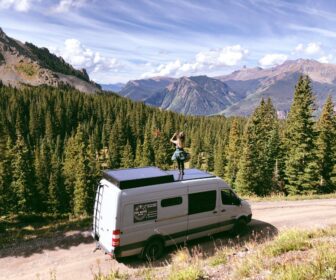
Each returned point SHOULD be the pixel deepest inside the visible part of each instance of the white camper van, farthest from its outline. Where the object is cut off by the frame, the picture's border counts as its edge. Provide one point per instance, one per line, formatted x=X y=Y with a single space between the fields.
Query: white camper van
x=142 y=210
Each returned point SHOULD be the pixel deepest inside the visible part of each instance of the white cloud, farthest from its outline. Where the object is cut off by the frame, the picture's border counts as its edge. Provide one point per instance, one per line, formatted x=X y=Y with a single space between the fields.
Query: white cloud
x=272 y=59
x=310 y=48
x=66 y=5
x=203 y=61
x=79 y=56
x=18 y=5
x=326 y=58
x=227 y=56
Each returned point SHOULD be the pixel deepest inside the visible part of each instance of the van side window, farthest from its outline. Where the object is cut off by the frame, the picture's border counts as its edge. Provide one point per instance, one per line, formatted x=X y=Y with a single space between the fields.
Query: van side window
x=171 y=201
x=202 y=202
x=228 y=197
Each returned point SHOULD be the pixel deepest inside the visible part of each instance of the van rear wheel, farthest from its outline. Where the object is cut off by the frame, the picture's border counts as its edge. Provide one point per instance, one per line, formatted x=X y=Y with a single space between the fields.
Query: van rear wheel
x=153 y=250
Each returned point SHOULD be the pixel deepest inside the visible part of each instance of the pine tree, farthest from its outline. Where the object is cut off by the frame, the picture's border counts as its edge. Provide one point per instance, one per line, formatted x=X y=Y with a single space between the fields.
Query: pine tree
x=163 y=151
x=115 y=145
x=42 y=172
x=260 y=150
x=82 y=176
x=219 y=157
x=248 y=176
x=23 y=176
x=147 y=148
x=127 y=159
x=138 y=154
x=56 y=188
x=196 y=149
x=232 y=155
x=326 y=146
x=300 y=162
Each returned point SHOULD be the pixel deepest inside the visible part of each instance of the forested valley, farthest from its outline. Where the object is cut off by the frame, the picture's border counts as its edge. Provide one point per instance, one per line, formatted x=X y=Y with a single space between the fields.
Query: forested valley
x=55 y=142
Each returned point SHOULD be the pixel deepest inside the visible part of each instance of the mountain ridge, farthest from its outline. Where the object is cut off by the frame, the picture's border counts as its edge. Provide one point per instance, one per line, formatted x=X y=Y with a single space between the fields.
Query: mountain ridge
x=247 y=87
x=26 y=64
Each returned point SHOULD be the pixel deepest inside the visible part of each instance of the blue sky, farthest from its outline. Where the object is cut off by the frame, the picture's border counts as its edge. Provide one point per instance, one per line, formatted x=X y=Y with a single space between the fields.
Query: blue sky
x=117 y=41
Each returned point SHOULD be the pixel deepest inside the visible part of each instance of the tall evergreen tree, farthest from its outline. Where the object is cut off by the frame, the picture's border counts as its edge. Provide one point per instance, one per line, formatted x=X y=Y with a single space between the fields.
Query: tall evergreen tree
x=300 y=162
x=23 y=176
x=219 y=156
x=82 y=176
x=56 y=187
x=138 y=154
x=232 y=155
x=260 y=148
x=326 y=146
x=147 y=148
x=127 y=159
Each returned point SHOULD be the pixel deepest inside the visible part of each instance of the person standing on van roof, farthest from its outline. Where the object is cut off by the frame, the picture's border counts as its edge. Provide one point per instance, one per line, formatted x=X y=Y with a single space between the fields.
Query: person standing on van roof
x=179 y=155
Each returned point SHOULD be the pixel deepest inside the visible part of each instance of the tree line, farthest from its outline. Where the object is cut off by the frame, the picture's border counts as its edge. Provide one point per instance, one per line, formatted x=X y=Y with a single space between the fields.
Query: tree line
x=55 y=142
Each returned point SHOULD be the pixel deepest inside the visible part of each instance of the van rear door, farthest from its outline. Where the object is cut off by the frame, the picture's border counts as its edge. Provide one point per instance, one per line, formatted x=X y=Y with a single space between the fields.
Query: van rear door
x=105 y=214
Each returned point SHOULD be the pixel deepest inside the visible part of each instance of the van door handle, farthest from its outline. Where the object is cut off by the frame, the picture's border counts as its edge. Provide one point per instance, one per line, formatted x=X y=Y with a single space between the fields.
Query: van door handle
x=215 y=212
x=223 y=210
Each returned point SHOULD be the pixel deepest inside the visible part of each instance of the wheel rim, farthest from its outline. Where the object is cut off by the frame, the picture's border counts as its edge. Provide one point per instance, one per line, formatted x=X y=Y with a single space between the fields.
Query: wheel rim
x=153 y=251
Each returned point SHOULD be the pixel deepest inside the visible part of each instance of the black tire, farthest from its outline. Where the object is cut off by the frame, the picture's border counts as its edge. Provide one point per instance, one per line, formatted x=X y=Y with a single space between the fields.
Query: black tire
x=153 y=250
x=240 y=227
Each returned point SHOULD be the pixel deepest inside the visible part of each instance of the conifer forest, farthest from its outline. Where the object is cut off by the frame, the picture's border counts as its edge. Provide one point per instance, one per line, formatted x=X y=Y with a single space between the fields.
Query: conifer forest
x=55 y=142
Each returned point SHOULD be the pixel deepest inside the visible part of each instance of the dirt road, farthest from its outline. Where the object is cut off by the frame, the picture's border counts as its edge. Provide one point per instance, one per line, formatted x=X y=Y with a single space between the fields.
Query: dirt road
x=70 y=255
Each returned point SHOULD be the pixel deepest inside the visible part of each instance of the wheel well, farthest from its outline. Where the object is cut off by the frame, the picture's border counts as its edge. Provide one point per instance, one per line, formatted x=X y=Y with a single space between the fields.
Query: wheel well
x=156 y=237
x=243 y=217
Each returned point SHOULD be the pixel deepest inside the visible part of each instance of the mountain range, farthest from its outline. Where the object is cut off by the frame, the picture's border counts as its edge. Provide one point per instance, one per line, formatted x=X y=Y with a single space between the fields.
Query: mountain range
x=26 y=64
x=237 y=93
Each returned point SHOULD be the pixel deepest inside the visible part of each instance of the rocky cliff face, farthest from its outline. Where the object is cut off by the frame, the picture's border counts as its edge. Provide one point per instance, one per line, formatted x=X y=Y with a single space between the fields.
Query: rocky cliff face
x=279 y=83
x=25 y=64
x=198 y=95
x=140 y=90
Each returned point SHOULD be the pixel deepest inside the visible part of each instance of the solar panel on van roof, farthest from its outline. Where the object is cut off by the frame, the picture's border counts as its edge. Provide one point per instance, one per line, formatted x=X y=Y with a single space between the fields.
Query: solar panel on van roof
x=145 y=176
x=137 y=177
x=190 y=174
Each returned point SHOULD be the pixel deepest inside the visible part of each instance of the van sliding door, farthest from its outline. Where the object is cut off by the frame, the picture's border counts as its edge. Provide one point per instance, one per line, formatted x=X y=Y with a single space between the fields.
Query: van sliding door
x=203 y=216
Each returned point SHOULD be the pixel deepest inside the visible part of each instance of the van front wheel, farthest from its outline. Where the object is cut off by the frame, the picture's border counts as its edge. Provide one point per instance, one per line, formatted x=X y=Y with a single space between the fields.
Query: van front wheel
x=240 y=227
x=153 y=250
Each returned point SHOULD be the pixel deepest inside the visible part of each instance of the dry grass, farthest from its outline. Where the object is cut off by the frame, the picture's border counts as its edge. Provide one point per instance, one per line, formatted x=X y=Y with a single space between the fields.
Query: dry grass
x=27 y=69
x=282 y=197
x=293 y=254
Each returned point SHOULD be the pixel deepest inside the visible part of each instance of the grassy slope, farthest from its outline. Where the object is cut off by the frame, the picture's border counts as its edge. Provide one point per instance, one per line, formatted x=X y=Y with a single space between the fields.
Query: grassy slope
x=281 y=197
x=293 y=254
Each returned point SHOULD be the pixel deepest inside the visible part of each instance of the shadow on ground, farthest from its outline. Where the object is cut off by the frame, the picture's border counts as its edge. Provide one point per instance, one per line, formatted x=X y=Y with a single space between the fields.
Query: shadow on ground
x=258 y=231
x=27 y=234
x=38 y=245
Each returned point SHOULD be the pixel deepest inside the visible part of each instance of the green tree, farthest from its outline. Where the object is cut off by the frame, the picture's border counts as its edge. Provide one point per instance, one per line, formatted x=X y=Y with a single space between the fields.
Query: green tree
x=326 y=146
x=23 y=176
x=147 y=148
x=138 y=153
x=127 y=159
x=232 y=155
x=56 y=187
x=219 y=157
x=300 y=162
x=259 y=153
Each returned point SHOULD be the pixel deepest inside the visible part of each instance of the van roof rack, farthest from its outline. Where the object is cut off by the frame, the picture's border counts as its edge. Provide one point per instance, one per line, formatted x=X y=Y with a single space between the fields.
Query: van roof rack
x=145 y=176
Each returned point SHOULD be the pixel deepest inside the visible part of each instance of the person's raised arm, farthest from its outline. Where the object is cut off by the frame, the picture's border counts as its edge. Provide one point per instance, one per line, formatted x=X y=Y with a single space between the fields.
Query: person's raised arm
x=173 y=138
